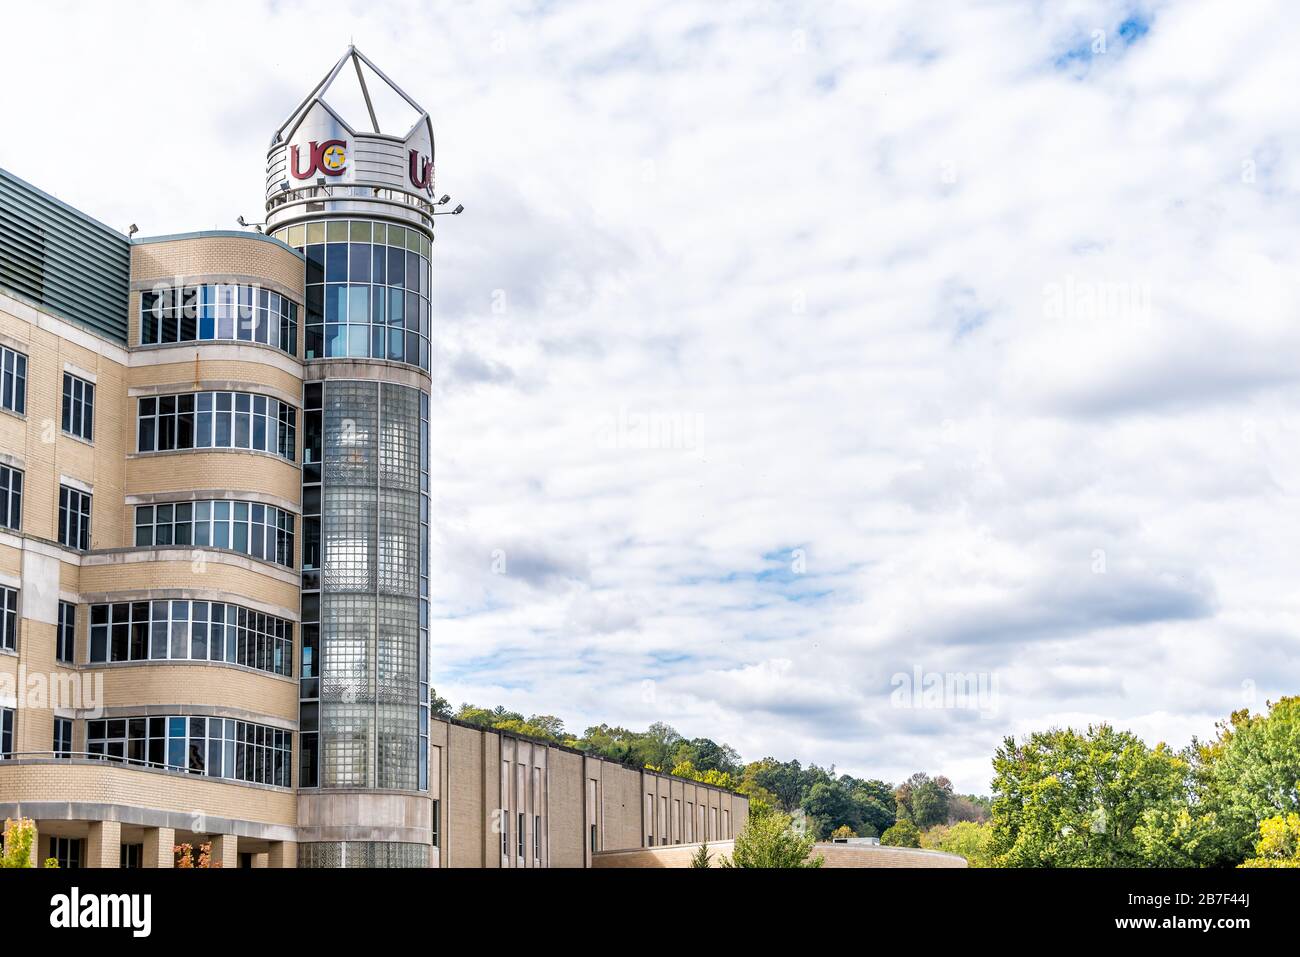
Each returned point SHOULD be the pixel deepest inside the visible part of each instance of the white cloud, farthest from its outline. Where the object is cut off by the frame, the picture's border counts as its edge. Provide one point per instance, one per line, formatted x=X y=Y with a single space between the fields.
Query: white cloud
x=794 y=277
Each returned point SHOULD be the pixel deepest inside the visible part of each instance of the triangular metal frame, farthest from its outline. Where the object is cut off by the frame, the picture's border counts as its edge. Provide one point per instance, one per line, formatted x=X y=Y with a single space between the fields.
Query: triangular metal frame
x=317 y=94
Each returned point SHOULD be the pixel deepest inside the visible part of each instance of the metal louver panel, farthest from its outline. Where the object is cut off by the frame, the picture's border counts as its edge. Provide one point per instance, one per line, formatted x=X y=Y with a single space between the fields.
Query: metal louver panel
x=62 y=260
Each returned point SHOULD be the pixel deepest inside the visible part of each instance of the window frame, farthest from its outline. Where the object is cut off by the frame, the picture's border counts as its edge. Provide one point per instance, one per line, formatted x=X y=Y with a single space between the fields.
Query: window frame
x=68 y=496
x=78 y=409
x=13 y=381
x=65 y=634
x=9 y=619
x=11 y=497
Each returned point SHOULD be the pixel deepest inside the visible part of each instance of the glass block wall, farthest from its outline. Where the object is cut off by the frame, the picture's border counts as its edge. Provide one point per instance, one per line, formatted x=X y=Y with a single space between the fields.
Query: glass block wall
x=365 y=615
x=362 y=854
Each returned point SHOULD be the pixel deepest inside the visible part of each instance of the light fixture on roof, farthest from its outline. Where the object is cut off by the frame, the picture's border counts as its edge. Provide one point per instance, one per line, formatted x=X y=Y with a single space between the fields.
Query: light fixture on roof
x=132 y=230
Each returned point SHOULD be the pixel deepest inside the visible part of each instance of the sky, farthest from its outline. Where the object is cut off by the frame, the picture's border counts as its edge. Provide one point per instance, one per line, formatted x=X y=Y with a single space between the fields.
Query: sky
x=791 y=358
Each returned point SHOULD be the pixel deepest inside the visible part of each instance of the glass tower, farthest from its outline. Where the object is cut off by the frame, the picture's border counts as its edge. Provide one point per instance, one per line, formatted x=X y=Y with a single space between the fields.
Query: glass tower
x=359 y=207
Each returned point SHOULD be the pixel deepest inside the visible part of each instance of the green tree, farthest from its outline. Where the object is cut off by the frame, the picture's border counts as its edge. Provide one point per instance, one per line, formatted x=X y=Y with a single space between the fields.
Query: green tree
x=967 y=838
x=701 y=856
x=828 y=805
x=770 y=841
x=903 y=834
x=439 y=706
x=18 y=837
x=782 y=779
x=1251 y=772
x=1066 y=799
x=1279 y=842
x=924 y=800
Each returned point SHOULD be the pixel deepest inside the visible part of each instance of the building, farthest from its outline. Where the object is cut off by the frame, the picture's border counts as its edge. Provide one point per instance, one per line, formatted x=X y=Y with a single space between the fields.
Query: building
x=214 y=540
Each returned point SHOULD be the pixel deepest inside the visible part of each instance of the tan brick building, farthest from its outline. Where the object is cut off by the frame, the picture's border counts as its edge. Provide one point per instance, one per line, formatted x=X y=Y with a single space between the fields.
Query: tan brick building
x=214 y=538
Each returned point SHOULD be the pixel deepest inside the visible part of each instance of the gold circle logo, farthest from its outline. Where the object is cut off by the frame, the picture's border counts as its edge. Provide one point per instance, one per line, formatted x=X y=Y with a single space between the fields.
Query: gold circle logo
x=335 y=157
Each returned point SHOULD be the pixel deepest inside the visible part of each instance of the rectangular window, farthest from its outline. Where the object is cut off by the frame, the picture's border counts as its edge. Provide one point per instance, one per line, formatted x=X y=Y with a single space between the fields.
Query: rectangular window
x=437 y=819
x=6 y=732
x=13 y=381
x=63 y=737
x=9 y=619
x=66 y=637
x=208 y=312
x=132 y=855
x=74 y=518
x=67 y=851
x=11 y=498
x=78 y=407
x=221 y=524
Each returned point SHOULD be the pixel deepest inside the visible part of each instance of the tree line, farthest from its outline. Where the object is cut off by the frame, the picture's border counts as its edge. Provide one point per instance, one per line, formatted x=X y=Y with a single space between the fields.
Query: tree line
x=1060 y=798
x=820 y=801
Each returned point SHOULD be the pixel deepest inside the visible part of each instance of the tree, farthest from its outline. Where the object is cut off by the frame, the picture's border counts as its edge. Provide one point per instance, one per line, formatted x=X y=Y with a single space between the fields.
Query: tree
x=969 y=807
x=1279 y=842
x=903 y=834
x=875 y=803
x=1251 y=772
x=966 y=838
x=843 y=831
x=701 y=856
x=784 y=780
x=828 y=805
x=18 y=838
x=439 y=706
x=1066 y=799
x=924 y=800
x=771 y=842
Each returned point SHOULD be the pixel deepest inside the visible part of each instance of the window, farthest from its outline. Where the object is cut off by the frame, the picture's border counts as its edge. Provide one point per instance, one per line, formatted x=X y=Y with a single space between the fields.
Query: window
x=13 y=381
x=63 y=737
x=215 y=747
x=437 y=820
x=6 y=732
x=132 y=855
x=519 y=829
x=193 y=631
x=218 y=311
x=67 y=851
x=217 y=420
x=78 y=407
x=11 y=498
x=74 y=518
x=537 y=837
x=66 y=636
x=367 y=290
x=9 y=619
x=261 y=531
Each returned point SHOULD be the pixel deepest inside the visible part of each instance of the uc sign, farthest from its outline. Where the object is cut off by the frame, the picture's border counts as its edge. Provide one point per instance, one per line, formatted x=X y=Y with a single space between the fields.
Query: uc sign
x=421 y=170
x=329 y=158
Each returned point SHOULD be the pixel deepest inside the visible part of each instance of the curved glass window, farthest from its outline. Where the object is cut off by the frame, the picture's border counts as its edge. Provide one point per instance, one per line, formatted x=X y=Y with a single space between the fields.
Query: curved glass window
x=221 y=311
x=216 y=747
x=217 y=420
x=367 y=289
x=260 y=531
x=191 y=631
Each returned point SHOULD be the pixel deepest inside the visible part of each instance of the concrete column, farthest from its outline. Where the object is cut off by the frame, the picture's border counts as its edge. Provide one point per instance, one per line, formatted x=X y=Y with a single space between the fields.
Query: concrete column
x=104 y=844
x=158 y=847
x=282 y=854
x=262 y=859
x=225 y=851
